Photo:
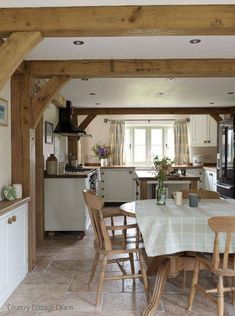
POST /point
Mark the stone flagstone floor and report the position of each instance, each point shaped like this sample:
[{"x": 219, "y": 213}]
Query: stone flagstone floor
[{"x": 58, "y": 287}]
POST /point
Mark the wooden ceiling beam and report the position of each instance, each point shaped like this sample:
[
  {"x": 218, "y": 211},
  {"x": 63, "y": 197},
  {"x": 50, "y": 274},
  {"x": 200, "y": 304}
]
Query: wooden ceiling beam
[
  {"x": 216, "y": 117},
  {"x": 45, "y": 95},
  {"x": 14, "y": 50},
  {"x": 87, "y": 121},
  {"x": 136, "y": 68},
  {"x": 153, "y": 111},
  {"x": 135, "y": 20},
  {"x": 58, "y": 100}
]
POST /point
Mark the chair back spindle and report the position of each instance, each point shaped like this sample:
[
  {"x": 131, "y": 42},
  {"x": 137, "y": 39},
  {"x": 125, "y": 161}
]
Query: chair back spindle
[
  {"x": 94, "y": 204},
  {"x": 222, "y": 224}
]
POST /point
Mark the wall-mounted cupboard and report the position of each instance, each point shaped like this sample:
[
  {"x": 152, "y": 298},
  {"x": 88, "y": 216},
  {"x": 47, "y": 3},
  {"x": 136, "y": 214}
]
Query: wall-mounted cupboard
[{"x": 203, "y": 131}]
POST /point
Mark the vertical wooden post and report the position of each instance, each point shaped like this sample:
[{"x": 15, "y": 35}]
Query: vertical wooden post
[
  {"x": 23, "y": 149},
  {"x": 39, "y": 193}
]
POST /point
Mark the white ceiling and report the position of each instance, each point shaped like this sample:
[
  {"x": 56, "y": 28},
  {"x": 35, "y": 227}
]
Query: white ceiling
[{"x": 138, "y": 92}]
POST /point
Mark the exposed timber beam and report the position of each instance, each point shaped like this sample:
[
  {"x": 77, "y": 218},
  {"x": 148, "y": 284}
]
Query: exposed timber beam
[
  {"x": 14, "y": 50},
  {"x": 87, "y": 121},
  {"x": 45, "y": 95},
  {"x": 136, "y": 68},
  {"x": 121, "y": 20},
  {"x": 152, "y": 111},
  {"x": 58, "y": 100},
  {"x": 216, "y": 117}
]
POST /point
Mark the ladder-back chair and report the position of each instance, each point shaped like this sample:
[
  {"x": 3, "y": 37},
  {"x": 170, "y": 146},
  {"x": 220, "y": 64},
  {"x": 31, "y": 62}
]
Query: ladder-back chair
[
  {"x": 204, "y": 194},
  {"x": 108, "y": 246},
  {"x": 221, "y": 264}
]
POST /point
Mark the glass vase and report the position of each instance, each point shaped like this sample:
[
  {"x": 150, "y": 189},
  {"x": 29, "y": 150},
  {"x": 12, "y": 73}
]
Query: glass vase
[{"x": 161, "y": 193}]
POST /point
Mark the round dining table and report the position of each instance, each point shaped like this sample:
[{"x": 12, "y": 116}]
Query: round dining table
[{"x": 172, "y": 234}]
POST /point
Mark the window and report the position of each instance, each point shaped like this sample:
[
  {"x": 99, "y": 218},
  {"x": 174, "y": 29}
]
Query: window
[{"x": 143, "y": 143}]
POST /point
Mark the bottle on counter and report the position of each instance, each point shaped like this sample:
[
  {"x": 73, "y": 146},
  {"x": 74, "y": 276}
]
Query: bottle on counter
[{"x": 52, "y": 165}]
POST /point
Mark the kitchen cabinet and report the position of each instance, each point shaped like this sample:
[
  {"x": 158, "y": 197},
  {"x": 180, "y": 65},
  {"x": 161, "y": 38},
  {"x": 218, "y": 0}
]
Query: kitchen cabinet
[
  {"x": 13, "y": 249},
  {"x": 210, "y": 179},
  {"x": 117, "y": 184},
  {"x": 203, "y": 131},
  {"x": 197, "y": 172}
]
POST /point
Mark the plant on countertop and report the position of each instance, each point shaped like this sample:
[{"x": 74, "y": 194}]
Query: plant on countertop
[
  {"x": 102, "y": 151},
  {"x": 163, "y": 167}
]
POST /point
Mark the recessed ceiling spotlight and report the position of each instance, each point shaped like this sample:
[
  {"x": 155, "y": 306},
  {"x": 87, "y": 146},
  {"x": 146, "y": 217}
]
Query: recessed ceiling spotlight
[
  {"x": 230, "y": 92},
  {"x": 212, "y": 102},
  {"x": 78, "y": 43},
  {"x": 170, "y": 79},
  {"x": 92, "y": 93},
  {"x": 195, "y": 41},
  {"x": 84, "y": 79},
  {"x": 160, "y": 93},
  {"x": 97, "y": 103}
]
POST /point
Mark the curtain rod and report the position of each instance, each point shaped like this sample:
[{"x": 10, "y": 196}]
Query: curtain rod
[{"x": 106, "y": 120}]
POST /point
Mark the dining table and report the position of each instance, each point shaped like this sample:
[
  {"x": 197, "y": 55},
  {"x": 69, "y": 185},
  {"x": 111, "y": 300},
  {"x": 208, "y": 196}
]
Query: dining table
[{"x": 173, "y": 234}]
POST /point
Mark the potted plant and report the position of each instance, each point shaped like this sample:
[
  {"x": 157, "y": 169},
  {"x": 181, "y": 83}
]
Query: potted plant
[
  {"x": 163, "y": 167},
  {"x": 103, "y": 153}
]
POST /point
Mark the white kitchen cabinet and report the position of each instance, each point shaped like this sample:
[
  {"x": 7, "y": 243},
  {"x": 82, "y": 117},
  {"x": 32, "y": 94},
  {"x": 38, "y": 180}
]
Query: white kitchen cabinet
[
  {"x": 210, "y": 179},
  {"x": 117, "y": 184},
  {"x": 198, "y": 172},
  {"x": 203, "y": 131},
  {"x": 13, "y": 249}
]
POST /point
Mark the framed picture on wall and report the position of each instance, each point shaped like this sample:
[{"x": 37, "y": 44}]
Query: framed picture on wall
[
  {"x": 3, "y": 112},
  {"x": 48, "y": 132}
]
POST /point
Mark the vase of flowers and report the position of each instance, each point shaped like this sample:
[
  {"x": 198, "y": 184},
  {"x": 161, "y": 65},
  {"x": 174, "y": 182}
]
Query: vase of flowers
[
  {"x": 163, "y": 167},
  {"x": 103, "y": 153}
]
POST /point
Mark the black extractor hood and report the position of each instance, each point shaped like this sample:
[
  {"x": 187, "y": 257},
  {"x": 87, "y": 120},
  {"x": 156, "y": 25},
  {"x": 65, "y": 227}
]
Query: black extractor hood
[{"x": 66, "y": 127}]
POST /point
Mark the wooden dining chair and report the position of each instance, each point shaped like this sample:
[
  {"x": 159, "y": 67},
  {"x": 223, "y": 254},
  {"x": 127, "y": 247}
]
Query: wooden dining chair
[
  {"x": 221, "y": 264},
  {"x": 204, "y": 194},
  {"x": 112, "y": 248}
]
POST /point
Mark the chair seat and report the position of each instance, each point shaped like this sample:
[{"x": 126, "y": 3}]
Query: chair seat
[{"x": 111, "y": 212}]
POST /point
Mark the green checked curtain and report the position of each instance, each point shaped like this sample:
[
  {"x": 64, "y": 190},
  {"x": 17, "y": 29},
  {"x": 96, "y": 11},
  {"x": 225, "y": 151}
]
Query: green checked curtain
[
  {"x": 181, "y": 142},
  {"x": 117, "y": 132}
]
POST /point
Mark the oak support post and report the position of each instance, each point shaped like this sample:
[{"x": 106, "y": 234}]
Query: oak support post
[
  {"x": 39, "y": 193},
  {"x": 73, "y": 141},
  {"x": 23, "y": 150}
]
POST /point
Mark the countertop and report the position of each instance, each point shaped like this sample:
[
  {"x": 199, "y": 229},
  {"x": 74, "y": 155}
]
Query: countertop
[
  {"x": 7, "y": 206},
  {"x": 150, "y": 175},
  {"x": 71, "y": 174}
]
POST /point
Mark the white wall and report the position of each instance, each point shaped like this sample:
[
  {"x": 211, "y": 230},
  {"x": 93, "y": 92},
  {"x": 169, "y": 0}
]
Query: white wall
[{"x": 5, "y": 142}]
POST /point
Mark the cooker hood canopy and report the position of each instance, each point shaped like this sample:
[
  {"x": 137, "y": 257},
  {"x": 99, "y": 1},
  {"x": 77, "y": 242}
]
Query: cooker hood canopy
[{"x": 65, "y": 126}]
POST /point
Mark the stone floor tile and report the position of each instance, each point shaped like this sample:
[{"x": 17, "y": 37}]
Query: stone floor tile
[
  {"x": 70, "y": 265},
  {"x": 82, "y": 301},
  {"x": 50, "y": 277},
  {"x": 42, "y": 263},
  {"x": 75, "y": 253}
]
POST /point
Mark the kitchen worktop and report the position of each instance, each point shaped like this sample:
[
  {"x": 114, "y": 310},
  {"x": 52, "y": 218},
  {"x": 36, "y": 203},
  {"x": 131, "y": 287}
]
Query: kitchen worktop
[
  {"x": 150, "y": 175},
  {"x": 7, "y": 206},
  {"x": 82, "y": 174}
]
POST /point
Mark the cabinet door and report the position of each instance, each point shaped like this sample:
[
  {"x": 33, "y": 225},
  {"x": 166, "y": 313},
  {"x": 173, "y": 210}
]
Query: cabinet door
[
  {"x": 212, "y": 131},
  {"x": 199, "y": 130},
  {"x": 3, "y": 259},
  {"x": 17, "y": 245},
  {"x": 117, "y": 185}
]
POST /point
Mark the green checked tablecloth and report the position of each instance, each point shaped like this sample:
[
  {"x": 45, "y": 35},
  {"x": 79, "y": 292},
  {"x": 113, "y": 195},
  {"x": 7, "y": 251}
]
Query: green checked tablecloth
[{"x": 170, "y": 229}]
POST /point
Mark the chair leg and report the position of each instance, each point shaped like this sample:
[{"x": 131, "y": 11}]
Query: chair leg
[
  {"x": 144, "y": 275},
  {"x": 194, "y": 283},
  {"x": 112, "y": 223},
  {"x": 184, "y": 279},
  {"x": 132, "y": 263},
  {"x": 101, "y": 282},
  {"x": 220, "y": 293},
  {"x": 233, "y": 292},
  {"x": 94, "y": 265}
]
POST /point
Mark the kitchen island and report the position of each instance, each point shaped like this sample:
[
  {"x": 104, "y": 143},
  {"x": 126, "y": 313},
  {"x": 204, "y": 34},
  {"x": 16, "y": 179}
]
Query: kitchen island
[{"x": 148, "y": 177}]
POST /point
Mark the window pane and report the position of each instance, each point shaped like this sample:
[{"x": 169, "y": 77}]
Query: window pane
[
  {"x": 139, "y": 136},
  {"x": 170, "y": 147},
  {"x": 157, "y": 150},
  {"x": 156, "y": 136},
  {"x": 139, "y": 145}
]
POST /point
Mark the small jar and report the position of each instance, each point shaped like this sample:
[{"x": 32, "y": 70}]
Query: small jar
[{"x": 52, "y": 165}]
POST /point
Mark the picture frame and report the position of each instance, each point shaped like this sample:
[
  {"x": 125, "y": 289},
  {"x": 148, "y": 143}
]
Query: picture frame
[
  {"x": 3, "y": 112},
  {"x": 49, "y": 132}
]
